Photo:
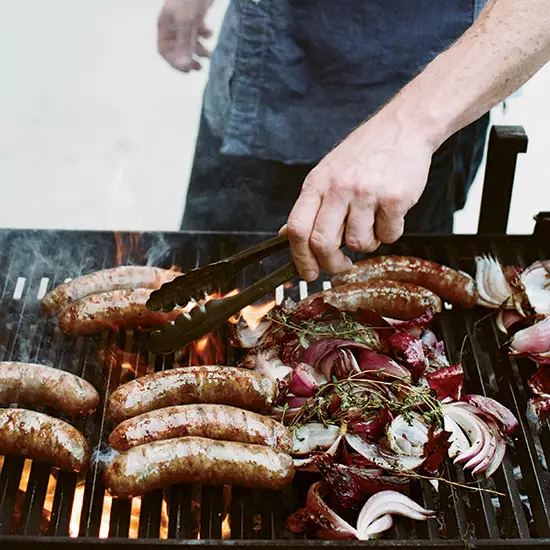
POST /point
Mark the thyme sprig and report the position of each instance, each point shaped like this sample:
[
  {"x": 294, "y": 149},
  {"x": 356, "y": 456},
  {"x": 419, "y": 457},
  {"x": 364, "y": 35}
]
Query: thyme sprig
[{"x": 342, "y": 327}]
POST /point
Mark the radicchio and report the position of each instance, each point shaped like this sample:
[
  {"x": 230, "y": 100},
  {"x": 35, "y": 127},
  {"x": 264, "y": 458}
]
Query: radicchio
[
  {"x": 409, "y": 350},
  {"x": 447, "y": 382},
  {"x": 435, "y": 450}
]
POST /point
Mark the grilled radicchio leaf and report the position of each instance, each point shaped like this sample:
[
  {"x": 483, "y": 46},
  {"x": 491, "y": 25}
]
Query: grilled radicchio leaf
[
  {"x": 409, "y": 350},
  {"x": 447, "y": 382}
]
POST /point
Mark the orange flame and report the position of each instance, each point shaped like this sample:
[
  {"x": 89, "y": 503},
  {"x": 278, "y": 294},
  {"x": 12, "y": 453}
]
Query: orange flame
[{"x": 130, "y": 249}]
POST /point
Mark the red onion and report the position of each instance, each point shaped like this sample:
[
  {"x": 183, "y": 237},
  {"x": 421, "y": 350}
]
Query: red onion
[
  {"x": 408, "y": 436},
  {"x": 313, "y": 437},
  {"x": 498, "y": 412},
  {"x": 302, "y": 382},
  {"x": 536, "y": 283},
  {"x": 538, "y": 408},
  {"x": 506, "y": 319},
  {"x": 429, "y": 338},
  {"x": 492, "y": 286},
  {"x": 540, "y": 381},
  {"x": 374, "y": 455},
  {"x": 370, "y": 361},
  {"x": 534, "y": 340}
]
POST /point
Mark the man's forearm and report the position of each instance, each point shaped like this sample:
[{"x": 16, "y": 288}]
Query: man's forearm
[{"x": 507, "y": 45}]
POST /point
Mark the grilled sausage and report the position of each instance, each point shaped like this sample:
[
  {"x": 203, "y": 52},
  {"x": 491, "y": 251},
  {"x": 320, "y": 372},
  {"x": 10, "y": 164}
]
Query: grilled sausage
[
  {"x": 41, "y": 437},
  {"x": 27, "y": 383},
  {"x": 220, "y": 422},
  {"x": 451, "y": 285},
  {"x": 196, "y": 460},
  {"x": 387, "y": 298},
  {"x": 117, "y": 278},
  {"x": 241, "y": 388},
  {"x": 112, "y": 311}
]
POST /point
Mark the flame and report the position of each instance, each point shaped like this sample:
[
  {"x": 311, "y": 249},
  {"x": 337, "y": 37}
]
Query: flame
[
  {"x": 134, "y": 518},
  {"x": 74, "y": 522},
  {"x": 252, "y": 315},
  {"x": 105, "y": 516},
  {"x": 163, "y": 532},
  {"x": 128, "y": 250}
]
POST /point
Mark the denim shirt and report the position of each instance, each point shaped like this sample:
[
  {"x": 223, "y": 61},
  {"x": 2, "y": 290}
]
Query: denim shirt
[{"x": 289, "y": 79}]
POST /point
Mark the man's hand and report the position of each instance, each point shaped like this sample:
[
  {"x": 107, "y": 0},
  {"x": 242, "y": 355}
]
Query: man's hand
[
  {"x": 180, "y": 28},
  {"x": 358, "y": 195}
]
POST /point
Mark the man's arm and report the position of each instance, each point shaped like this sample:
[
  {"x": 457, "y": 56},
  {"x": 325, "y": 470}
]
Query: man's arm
[{"x": 361, "y": 191}]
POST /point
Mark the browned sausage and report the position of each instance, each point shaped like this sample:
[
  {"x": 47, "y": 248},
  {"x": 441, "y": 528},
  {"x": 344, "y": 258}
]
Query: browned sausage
[
  {"x": 451, "y": 285},
  {"x": 388, "y": 298},
  {"x": 213, "y": 421},
  {"x": 196, "y": 460},
  {"x": 30, "y": 384},
  {"x": 112, "y": 311},
  {"x": 241, "y": 388},
  {"x": 41, "y": 437},
  {"x": 117, "y": 278}
]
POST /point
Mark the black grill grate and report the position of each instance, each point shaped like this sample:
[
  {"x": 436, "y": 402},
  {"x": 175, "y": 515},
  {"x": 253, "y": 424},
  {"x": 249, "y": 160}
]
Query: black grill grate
[{"x": 182, "y": 514}]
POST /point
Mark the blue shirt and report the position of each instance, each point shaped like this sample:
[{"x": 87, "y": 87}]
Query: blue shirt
[{"x": 289, "y": 79}]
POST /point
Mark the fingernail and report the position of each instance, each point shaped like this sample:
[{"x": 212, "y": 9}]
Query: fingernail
[{"x": 310, "y": 276}]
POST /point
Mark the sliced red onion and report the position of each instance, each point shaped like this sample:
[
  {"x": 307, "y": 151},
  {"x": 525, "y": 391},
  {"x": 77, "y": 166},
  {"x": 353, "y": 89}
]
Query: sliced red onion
[
  {"x": 424, "y": 321},
  {"x": 315, "y": 501},
  {"x": 492, "y": 286},
  {"x": 506, "y": 319},
  {"x": 388, "y": 503},
  {"x": 374, "y": 455},
  {"x": 379, "y": 526},
  {"x": 534, "y": 339},
  {"x": 408, "y": 349},
  {"x": 459, "y": 441},
  {"x": 446, "y": 382},
  {"x": 479, "y": 466},
  {"x": 473, "y": 427},
  {"x": 269, "y": 364},
  {"x": 408, "y": 436},
  {"x": 302, "y": 382},
  {"x": 313, "y": 437},
  {"x": 370, "y": 361},
  {"x": 536, "y": 282},
  {"x": 498, "y": 457},
  {"x": 502, "y": 416},
  {"x": 280, "y": 413}
]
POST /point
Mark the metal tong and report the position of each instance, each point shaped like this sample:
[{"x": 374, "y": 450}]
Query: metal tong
[{"x": 198, "y": 282}]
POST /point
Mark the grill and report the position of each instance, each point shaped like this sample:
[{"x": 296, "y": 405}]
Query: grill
[{"x": 80, "y": 514}]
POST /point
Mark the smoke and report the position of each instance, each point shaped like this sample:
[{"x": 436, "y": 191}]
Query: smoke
[
  {"x": 103, "y": 455},
  {"x": 159, "y": 251}
]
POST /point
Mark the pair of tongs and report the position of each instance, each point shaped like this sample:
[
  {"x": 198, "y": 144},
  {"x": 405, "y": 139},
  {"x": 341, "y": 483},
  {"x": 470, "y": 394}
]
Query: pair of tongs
[{"x": 198, "y": 282}]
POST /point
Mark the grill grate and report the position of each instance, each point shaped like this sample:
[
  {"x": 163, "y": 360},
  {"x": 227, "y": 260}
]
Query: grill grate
[{"x": 81, "y": 512}]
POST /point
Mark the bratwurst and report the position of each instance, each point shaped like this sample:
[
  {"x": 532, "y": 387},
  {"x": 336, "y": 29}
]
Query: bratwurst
[
  {"x": 117, "y": 278},
  {"x": 388, "y": 298},
  {"x": 31, "y": 384},
  {"x": 220, "y": 422},
  {"x": 241, "y": 388},
  {"x": 196, "y": 460},
  {"x": 112, "y": 311},
  {"x": 41, "y": 437},
  {"x": 451, "y": 285}
]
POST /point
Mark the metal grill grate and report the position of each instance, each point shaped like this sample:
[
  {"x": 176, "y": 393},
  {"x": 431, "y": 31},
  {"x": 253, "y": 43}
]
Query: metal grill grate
[{"x": 33, "y": 262}]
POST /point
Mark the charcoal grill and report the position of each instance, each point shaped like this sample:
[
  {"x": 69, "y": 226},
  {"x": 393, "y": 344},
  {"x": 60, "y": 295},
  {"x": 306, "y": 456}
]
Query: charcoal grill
[{"x": 80, "y": 514}]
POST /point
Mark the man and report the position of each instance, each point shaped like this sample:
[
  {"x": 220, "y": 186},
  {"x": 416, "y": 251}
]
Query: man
[{"x": 291, "y": 78}]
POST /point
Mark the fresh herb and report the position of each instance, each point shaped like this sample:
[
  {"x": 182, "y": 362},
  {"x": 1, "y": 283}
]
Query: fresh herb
[{"x": 341, "y": 327}]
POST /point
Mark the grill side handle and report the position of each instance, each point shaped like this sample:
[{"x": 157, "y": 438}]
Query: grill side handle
[{"x": 505, "y": 144}]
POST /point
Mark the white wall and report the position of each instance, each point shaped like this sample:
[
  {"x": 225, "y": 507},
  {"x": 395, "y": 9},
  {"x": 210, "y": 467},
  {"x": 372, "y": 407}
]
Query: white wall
[{"x": 97, "y": 131}]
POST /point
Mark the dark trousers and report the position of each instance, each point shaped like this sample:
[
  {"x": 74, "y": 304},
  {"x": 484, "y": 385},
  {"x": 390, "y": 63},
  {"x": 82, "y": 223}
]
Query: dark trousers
[{"x": 228, "y": 193}]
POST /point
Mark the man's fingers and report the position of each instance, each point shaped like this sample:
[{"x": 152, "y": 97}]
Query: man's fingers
[
  {"x": 389, "y": 225},
  {"x": 201, "y": 51},
  {"x": 326, "y": 237},
  {"x": 360, "y": 229},
  {"x": 299, "y": 228}
]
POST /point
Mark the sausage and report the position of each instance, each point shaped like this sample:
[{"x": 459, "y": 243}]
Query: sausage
[
  {"x": 112, "y": 311},
  {"x": 213, "y": 421},
  {"x": 116, "y": 278},
  {"x": 186, "y": 385},
  {"x": 31, "y": 384},
  {"x": 451, "y": 285},
  {"x": 196, "y": 460},
  {"x": 388, "y": 298},
  {"x": 41, "y": 437}
]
